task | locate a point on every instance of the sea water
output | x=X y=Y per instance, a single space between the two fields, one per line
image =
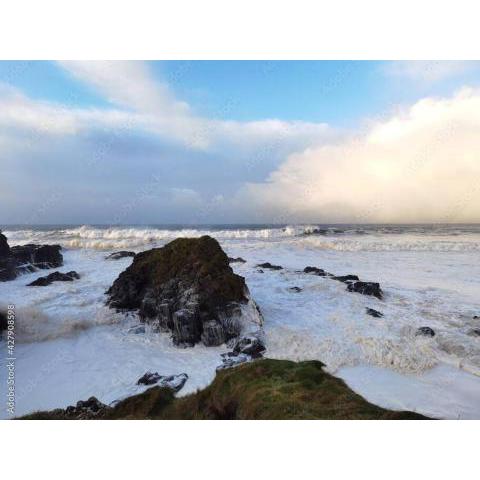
x=70 y=346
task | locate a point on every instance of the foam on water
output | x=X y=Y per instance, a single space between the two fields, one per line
x=70 y=346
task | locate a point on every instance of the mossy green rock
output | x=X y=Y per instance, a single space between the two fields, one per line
x=181 y=287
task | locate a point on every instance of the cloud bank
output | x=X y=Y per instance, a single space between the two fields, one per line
x=421 y=165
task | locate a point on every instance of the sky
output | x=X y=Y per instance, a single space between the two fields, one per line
x=192 y=142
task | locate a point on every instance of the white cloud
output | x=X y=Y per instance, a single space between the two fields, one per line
x=421 y=165
x=19 y=112
x=131 y=85
x=428 y=71
x=140 y=102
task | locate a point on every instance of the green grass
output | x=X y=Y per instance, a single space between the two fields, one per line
x=266 y=389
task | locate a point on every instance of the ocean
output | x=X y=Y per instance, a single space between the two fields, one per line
x=69 y=346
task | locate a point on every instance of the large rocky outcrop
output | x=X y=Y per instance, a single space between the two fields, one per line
x=187 y=288
x=26 y=258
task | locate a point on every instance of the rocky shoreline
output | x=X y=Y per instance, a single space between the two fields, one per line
x=188 y=289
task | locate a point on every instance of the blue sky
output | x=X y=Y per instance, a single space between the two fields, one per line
x=222 y=140
x=337 y=92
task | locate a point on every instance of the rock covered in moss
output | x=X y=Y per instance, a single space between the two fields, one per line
x=187 y=288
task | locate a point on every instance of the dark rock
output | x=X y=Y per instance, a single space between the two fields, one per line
x=26 y=258
x=260 y=270
x=8 y=268
x=374 y=313
x=3 y=322
x=118 y=255
x=476 y=317
x=174 y=382
x=4 y=247
x=54 y=277
x=38 y=256
x=186 y=327
x=295 y=289
x=250 y=345
x=425 y=331
x=230 y=360
x=84 y=409
x=183 y=287
x=366 y=288
x=8 y=263
x=474 y=332
x=316 y=271
x=149 y=378
x=213 y=333
x=236 y=260
x=269 y=266
x=346 y=278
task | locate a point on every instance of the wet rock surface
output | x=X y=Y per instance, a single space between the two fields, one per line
x=3 y=322
x=317 y=271
x=231 y=359
x=54 y=277
x=174 y=382
x=250 y=345
x=83 y=410
x=187 y=288
x=425 y=331
x=269 y=266
x=38 y=256
x=26 y=258
x=236 y=260
x=246 y=349
x=119 y=255
x=4 y=247
x=352 y=281
x=366 y=288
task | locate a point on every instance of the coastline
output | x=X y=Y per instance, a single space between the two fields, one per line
x=379 y=358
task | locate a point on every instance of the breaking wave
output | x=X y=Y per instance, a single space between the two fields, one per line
x=346 y=238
